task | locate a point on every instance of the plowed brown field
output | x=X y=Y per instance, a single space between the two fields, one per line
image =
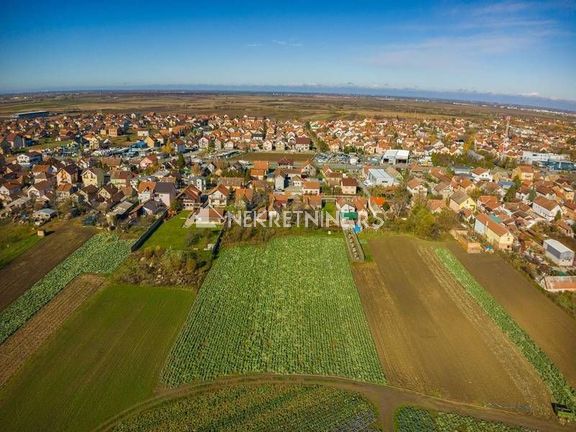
x=553 y=330
x=433 y=338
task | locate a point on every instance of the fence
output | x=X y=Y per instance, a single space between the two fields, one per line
x=136 y=245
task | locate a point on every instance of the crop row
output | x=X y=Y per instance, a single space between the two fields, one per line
x=550 y=374
x=100 y=254
x=289 y=308
x=262 y=408
x=412 y=419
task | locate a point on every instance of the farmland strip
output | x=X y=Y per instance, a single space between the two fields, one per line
x=101 y=254
x=25 y=342
x=547 y=370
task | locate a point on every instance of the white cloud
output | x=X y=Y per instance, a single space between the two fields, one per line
x=448 y=52
x=287 y=43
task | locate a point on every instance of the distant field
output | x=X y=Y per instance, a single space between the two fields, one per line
x=288 y=307
x=265 y=407
x=551 y=328
x=303 y=107
x=32 y=265
x=15 y=239
x=433 y=338
x=274 y=157
x=105 y=359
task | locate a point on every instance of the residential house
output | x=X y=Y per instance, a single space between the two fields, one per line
x=146 y=191
x=68 y=174
x=257 y=174
x=524 y=172
x=218 y=197
x=311 y=187
x=64 y=191
x=244 y=198
x=39 y=189
x=308 y=169
x=494 y=232
x=302 y=144
x=209 y=216
x=460 y=201
x=93 y=176
x=279 y=180
x=191 y=197
x=348 y=186
x=545 y=208
x=436 y=205
x=30 y=158
x=165 y=192
x=231 y=183
x=416 y=187
x=312 y=202
x=148 y=161
x=488 y=202
x=198 y=181
x=481 y=174
x=121 y=178
x=444 y=189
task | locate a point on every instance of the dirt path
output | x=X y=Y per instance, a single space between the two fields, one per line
x=553 y=330
x=433 y=338
x=31 y=266
x=31 y=336
x=386 y=398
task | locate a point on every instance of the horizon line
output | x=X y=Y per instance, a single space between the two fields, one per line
x=463 y=95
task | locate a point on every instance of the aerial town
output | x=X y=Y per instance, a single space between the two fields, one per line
x=503 y=185
x=269 y=262
x=288 y=216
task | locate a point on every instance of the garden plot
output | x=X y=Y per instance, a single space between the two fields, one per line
x=288 y=308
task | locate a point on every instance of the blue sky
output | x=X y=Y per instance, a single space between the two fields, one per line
x=511 y=47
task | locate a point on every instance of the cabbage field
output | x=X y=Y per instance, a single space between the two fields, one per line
x=290 y=307
x=412 y=419
x=257 y=408
x=101 y=254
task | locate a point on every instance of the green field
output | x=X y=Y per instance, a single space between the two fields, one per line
x=172 y=235
x=412 y=419
x=15 y=240
x=268 y=407
x=105 y=359
x=290 y=307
